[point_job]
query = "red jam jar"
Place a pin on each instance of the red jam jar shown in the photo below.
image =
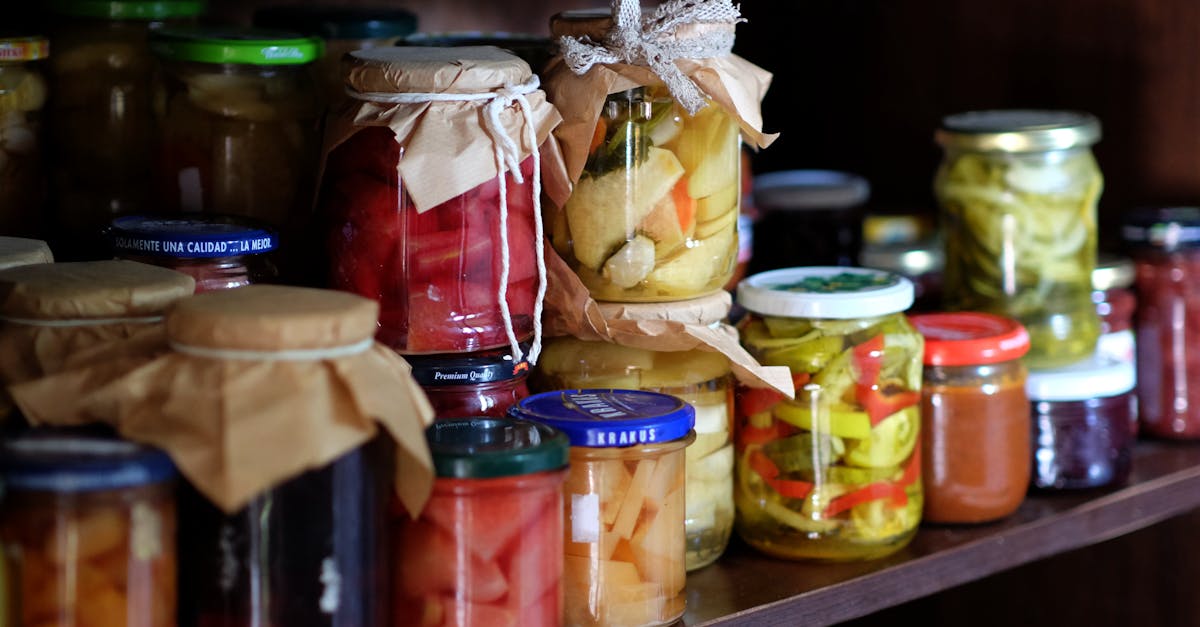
(473, 384)
(487, 549)
(219, 252)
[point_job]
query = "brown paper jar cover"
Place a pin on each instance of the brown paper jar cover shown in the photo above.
(22, 251)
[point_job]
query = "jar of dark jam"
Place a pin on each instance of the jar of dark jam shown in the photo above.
(1112, 291)
(1083, 424)
(808, 218)
(220, 252)
(487, 383)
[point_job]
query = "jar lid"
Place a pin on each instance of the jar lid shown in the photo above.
(1018, 130)
(485, 448)
(114, 288)
(970, 338)
(604, 417)
(20, 251)
(1113, 271)
(908, 259)
(467, 369)
(246, 46)
(810, 190)
(338, 22)
(78, 460)
(23, 48)
(130, 9)
(1167, 228)
(701, 311)
(203, 236)
(825, 292)
(425, 69)
(1098, 376)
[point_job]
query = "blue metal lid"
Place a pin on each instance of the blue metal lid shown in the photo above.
(182, 236)
(78, 460)
(604, 417)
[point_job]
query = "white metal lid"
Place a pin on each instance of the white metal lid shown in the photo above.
(1098, 376)
(825, 292)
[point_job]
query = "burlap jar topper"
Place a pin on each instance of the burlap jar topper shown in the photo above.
(20, 251)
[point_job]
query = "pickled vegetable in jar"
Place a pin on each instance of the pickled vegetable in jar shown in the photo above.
(21, 251)
(219, 252)
(1116, 302)
(809, 218)
(835, 474)
(487, 549)
(1018, 191)
(87, 530)
(975, 429)
(623, 503)
(487, 383)
(22, 98)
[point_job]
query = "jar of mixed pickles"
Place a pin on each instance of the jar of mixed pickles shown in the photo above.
(1084, 420)
(702, 378)
(974, 417)
(1116, 303)
(22, 97)
(101, 111)
(87, 530)
(834, 474)
(219, 252)
(623, 503)
(487, 383)
(1018, 192)
(488, 547)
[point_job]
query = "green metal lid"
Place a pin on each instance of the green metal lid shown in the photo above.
(130, 9)
(486, 448)
(243, 46)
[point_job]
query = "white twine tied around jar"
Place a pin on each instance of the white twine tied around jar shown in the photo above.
(508, 155)
(652, 42)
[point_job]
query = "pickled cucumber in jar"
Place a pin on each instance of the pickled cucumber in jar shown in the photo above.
(22, 97)
(1018, 192)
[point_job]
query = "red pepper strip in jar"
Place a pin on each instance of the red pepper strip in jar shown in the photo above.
(895, 491)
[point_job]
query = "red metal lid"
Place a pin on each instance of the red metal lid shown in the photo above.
(969, 338)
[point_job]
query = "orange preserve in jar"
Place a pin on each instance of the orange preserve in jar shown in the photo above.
(87, 526)
(623, 503)
(487, 548)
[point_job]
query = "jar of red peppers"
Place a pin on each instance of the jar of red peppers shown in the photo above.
(623, 502)
(1165, 246)
(487, 549)
(835, 473)
(975, 424)
(487, 383)
(1116, 302)
(219, 252)
(22, 98)
(87, 530)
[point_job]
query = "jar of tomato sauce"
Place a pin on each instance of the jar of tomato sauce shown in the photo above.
(1116, 302)
(488, 547)
(974, 421)
(87, 528)
(835, 473)
(486, 383)
(623, 502)
(219, 252)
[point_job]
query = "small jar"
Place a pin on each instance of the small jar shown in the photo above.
(471, 384)
(1116, 302)
(1018, 191)
(22, 97)
(219, 252)
(1084, 419)
(20, 251)
(623, 503)
(808, 218)
(975, 425)
(834, 474)
(487, 549)
(87, 530)
(1165, 246)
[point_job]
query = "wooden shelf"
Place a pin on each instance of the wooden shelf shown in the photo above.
(747, 587)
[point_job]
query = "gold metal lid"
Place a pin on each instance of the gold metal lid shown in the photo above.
(1018, 130)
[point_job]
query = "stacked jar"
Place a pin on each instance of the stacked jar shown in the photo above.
(22, 97)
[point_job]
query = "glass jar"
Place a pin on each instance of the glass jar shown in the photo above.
(471, 384)
(101, 136)
(623, 502)
(808, 218)
(835, 474)
(1112, 285)
(22, 97)
(311, 551)
(487, 549)
(87, 528)
(975, 425)
(1018, 191)
(219, 252)
(20, 251)
(1084, 416)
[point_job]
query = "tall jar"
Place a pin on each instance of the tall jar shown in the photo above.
(623, 503)
(1018, 191)
(1165, 245)
(834, 474)
(702, 378)
(487, 383)
(87, 531)
(487, 549)
(975, 427)
(22, 168)
(101, 136)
